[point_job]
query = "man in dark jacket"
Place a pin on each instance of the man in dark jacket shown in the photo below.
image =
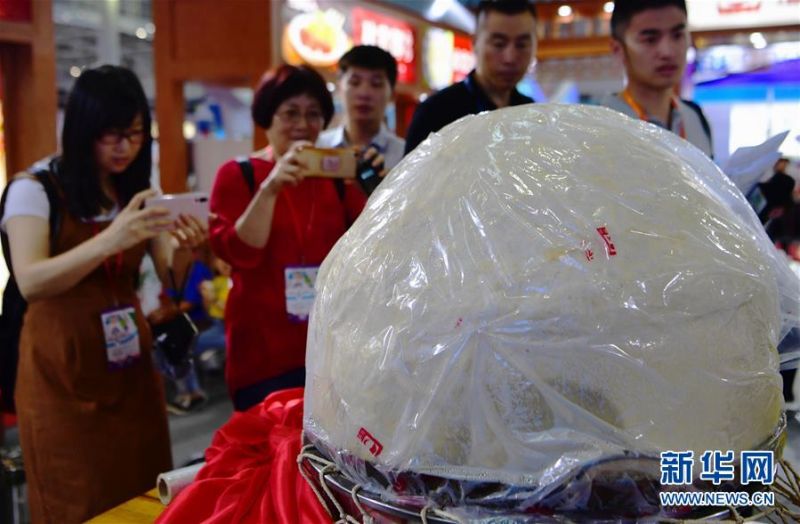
(505, 43)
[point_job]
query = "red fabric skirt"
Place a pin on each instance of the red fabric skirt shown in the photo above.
(251, 473)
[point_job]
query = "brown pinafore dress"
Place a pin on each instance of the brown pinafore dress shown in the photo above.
(91, 437)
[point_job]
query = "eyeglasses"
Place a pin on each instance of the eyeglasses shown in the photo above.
(293, 117)
(113, 137)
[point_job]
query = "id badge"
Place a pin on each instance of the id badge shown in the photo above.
(122, 337)
(299, 284)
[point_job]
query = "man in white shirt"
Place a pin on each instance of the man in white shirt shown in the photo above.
(367, 77)
(651, 38)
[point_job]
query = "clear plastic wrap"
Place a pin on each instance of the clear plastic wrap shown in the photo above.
(537, 291)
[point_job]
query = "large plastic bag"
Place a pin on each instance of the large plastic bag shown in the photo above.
(541, 288)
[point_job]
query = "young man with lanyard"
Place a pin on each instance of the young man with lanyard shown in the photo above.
(651, 38)
(504, 45)
(367, 77)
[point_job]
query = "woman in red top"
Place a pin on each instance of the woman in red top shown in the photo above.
(276, 234)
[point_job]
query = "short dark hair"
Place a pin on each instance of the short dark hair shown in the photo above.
(284, 82)
(102, 99)
(625, 10)
(370, 57)
(507, 7)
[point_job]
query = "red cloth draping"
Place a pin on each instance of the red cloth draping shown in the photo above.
(251, 473)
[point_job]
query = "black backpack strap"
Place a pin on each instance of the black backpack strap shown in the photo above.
(247, 172)
(338, 183)
(249, 177)
(14, 305)
(703, 120)
(45, 177)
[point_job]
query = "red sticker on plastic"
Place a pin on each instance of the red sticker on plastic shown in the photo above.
(370, 442)
(611, 249)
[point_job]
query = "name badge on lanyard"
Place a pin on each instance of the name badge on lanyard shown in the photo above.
(300, 293)
(121, 336)
(674, 113)
(120, 331)
(299, 280)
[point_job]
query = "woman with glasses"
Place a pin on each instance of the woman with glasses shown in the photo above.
(92, 421)
(274, 227)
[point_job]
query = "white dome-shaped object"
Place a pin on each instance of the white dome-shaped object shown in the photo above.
(540, 287)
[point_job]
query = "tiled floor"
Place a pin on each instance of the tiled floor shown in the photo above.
(191, 433)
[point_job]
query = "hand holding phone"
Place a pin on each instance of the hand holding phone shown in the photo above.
(195, 204)
(370, 170)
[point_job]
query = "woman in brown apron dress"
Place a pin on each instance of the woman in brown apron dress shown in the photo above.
(91, 412)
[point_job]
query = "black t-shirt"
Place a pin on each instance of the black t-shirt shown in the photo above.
(778, 193)
(450, 104)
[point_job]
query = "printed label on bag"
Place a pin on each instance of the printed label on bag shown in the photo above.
(611, 249)
(300, 294)
(121, 336)
(370, 442)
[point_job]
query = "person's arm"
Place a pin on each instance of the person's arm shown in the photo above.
(242, 225)
(173, 248)
(255, 224)
(208, 294)
(40, 275)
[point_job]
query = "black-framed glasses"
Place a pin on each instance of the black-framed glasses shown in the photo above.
(112, 137)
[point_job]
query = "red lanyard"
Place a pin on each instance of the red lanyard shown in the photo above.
(112, 277)
(642, 114)
(302, 236)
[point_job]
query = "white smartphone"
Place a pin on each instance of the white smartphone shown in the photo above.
(195, 204)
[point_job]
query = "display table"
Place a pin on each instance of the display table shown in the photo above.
(140, 510)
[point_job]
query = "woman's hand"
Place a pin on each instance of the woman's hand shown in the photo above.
(188, 232)
(134, 224)
(288, 170)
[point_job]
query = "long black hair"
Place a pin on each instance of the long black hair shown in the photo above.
(105, 98)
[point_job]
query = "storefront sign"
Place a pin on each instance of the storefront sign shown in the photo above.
(438, 57)
(388, 33)
(735, 14)
(463, 57)
(15, 11)
(447, 57)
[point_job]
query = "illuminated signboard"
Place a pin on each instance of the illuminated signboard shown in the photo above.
(463, 57)
(395, 36)
(735, 14)
(318, 33)
(15, 10)
(447, 57)
(438, 57)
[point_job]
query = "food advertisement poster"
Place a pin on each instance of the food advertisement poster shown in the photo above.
(318, 32)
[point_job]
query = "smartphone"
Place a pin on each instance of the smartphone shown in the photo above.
(329, 162)
(195, 204)
(367, 175)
